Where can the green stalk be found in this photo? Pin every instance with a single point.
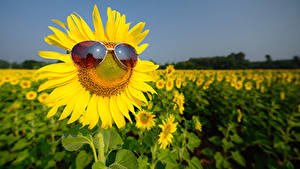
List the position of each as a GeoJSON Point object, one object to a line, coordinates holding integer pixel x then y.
{"type": "Point", "coordinates": [93, 148]}
{"type": "Point", "coordinates": [101, 156]}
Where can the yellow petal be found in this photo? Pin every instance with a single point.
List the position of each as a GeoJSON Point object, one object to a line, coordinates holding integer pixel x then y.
{"type": "Point", "coordinates": [86, 29]}
{"type": "Point", "coordinates": [53, 40]}
{"type": "Point", "coordinates": [137, 103]}
{"type": "Point", "coordinates": [52, 111]}
{"type": "Point", "coordinates": [104, 112]}
{"type": "Point", "coordinates": [55, 55]}
{"type": "Point", "coordinates": [98, 25]}
{"type": "Point", "coordinates": [68, 109]}
{"type": "Point", "coordinates": [127, 102]}
{"type": "Point", "coordinates": [92, 112]}
{"type": "Point", "coordinates": [123, 107]}
{"type": "Point", "coordinates": [80, 27]}
{"type": "Point", "coordinates": [115, 112]}
{"type": "Point", "coordinates": [137, 94]}
{"type": "Point", "coordinates": [141, 48]}
{"type": "Point", "coordinates": [56, 82]}
{"type": "Point", "coordinates": [65, 39]}
{"type": "Point", "coordinates": [60, 23]}
{"type": "Point", "coordinates": [141, 86]}
{"type": "Point", "coordinates": [58, 68]}
{"type": "Point", "coordinates": [81, 103]}
{"type": "Point", "coordinates": [74, 32]}
{"type": "Point", "coordinates": [110, 24]}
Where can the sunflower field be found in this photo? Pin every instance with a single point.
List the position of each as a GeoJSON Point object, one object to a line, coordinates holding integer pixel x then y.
{"type": "Point", "coordinates": [197, 119]}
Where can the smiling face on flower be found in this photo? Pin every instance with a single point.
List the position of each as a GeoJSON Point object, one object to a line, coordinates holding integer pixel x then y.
{"type": "Point", "coordinates": [102, 77]}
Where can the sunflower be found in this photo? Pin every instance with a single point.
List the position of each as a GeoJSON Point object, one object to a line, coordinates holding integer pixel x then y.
{"type": "Point", "coordinates": [179, 101]}
{"type": "Point", "coordinates": [145, 120]}
{"type": "Point", "coordinates": [105, 91]}
{"type": "Point", "coordinates": [170, 70]}
{"type": "Point", "coordinates": [200, 81]}
{"type": "Point", "coordinates": [239, 85]}
{"type": "Point", "coordinates": [25, 84]}
{"type": "Point", "coordinates": [160, 84]}
{"type": "Point", "coordinates": [248, 85]}
{"type": "Point", "coordinates": [168, 128]}
{"type": "Point", "coordinates": [178, 83]}
{"type": "Point", "coordinates": [42, 97]}
{"type": "Point", "coordinates": [169, 84]}
{"type": "Point", "coordinates": [14, 81]}
{"type": "Point", "coordinates": [31, 95]}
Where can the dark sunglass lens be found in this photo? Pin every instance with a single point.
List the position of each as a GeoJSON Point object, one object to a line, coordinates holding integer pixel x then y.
{"type": "Point", "coordinates": [126, 54]}
{"type": "Point", "coordinates": [88, 54]}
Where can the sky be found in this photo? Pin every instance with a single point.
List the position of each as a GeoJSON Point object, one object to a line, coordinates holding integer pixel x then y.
{"type": "Point", "coordinates": [179, 29]}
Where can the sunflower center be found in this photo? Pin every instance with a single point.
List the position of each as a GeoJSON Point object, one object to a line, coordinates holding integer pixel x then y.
{"type": "Point", "coordinates": [144, 118]}
{"type": "Point", "coordinates": [106, 79]}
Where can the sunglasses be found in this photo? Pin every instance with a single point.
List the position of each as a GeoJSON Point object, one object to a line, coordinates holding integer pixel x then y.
{"type": "Point", "coordinates": [89, 54]}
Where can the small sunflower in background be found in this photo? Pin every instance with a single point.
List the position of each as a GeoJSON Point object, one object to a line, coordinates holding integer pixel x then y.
{"type": "Point", "coordinates": [170, 70]}
{"type": "Point", "coordinates": [160, 84]}
{"type": "Point", "coordinates": [169, 84]}
{"type": "Point", "coordinates": [168, 128]}
{"type": "Point", "coordinates": [14, 81]}
{"type": "Point", "coordinates": [102, 78]}
{"type": "Point", "coordinates": [43, 97]}
{"type": "Point", "coordinates": [31, 95]}
{"type": "Point", "coordinates": [25, 84]}
{"type": "Point", "coordinates": [178, 83]}
{"type": "Point", "coordinates": [248, 85]}
{"type": "Point", "coordinates": [145, 120]}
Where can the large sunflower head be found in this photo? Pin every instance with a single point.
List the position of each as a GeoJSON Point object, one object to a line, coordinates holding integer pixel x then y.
{"type": "Point", "coordinates": [94, 81]}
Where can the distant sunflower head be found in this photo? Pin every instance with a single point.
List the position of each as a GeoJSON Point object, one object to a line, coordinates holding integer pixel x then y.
{"type": "Point", "coordinates": [169, 84]}
{"type": "Point", "coordinates": [170, 70]}
{"type": "Point", "coordinates": [145, 120]}
{"type": "Point", "coordinates": [160, 84]}
{"type": "Point", "coordinates": [42, 97]}
{"type": "Point", "coordinates": [31, 95]}
{"type": "Point", "coordinates": [168, 128]}
{"type": "Point", "coordinates": [248, 85]}
{"type": "Point", "coordinates": [102, 77]}
{"type": "Point", "coordinates": [25, 84]}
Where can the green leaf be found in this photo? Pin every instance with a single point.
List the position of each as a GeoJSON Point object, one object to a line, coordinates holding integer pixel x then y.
{"type": "Point", "coordinates": [21, 156]}
{"type": "Point", "coordinates": [193, 141]}
{"type": "Point", "coordinates": [194, 163]}
{"type": "Point", "coordinates": [219, 160]}
{"type": "Point", "coordinates": [51, 163]}
{"type": "Point", "coordinates": [166, 156]}
{"type": "Point", "coordinates": [71, 143]}
{"type": "Point", "coordinates": [125, 159]}
{"type": "Point", "coordinates": [227, 144]}
{"type": "Point", "coordinates": [238, 158]}
{"type": "Point", "coordinates": [142, 162]}
{"type": "Point", "coordinates": [59, 156]}
{"type": "Point", "coordinates": [216, 140]}
{"type": "Point", "coordinates": [236, 138]}
{"type": "Point", "coordinates": [289, 165]}
{"type": "Point", "coordinates": [111, 139]}
{"type": "Point", "coordinates": [98, 165]}
{"type": "Point", "coordinates": [208, 152]}
{"type": "Point", "coordinates": [20, 145]}
{"type": "Point", "coordinates": [82, 160]}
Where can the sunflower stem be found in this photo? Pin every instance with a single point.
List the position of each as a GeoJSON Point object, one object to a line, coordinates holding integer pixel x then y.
{"type": "Point", "coordinates": [101, 156]}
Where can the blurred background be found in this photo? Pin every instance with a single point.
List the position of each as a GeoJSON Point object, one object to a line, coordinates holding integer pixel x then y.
{"type": "Point", "coordinates": [245, 31]}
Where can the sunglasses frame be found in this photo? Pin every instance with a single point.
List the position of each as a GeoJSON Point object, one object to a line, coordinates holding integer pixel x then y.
{"type": "Point", "coordinates": [110, 47]}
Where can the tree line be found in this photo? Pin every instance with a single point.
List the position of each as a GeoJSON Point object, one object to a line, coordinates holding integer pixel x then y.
{"type": "Point", "coordinates": [231, 61]}
{"type": "Point", "coordinates": [235, 61]}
